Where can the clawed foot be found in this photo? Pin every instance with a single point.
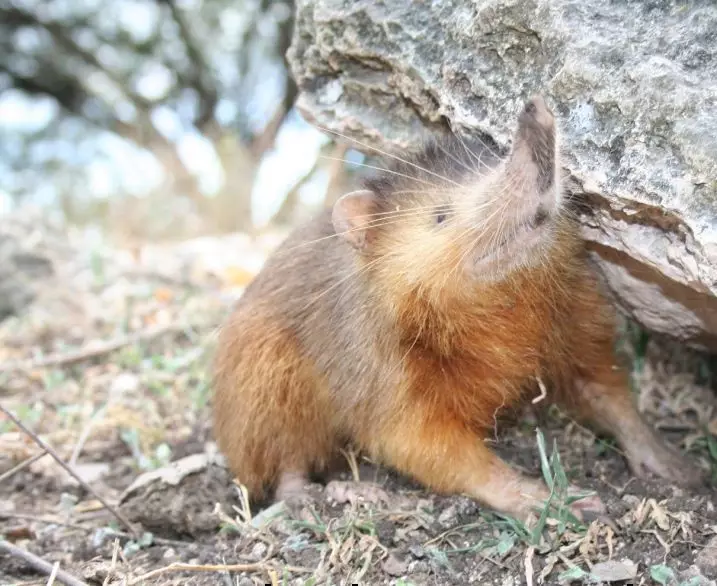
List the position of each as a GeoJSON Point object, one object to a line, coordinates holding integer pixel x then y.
{"type": "Point", "coordinates": [293, 489]}
{"type": "Point", "coordinates": [585, 509]}
{"type": "Point", "coordinates": [588, 508]}
{"type": "Point", "coordinates": [343, 491]}
{"type": "Point", "coordinates": [532, 495]}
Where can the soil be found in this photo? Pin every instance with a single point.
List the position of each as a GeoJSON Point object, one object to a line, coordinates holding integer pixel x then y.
{"type": "Point", "coordinates": [145, 404]}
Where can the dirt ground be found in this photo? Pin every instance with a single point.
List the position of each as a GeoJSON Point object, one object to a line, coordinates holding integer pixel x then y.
{"type": "Point", "coordinates": [109, 366]}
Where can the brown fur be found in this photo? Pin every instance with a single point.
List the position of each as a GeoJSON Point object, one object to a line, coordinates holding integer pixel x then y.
{"type": "Point", "coordinates": [385, 342]}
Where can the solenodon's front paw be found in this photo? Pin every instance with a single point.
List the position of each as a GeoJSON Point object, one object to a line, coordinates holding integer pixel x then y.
{"type": "Point", "coordinates": [588, 508]}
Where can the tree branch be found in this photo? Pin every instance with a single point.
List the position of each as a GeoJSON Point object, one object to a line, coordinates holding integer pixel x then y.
{"type": "Point", "coordinates": [207, 91]}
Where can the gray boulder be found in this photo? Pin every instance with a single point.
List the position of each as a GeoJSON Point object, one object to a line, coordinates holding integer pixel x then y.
{"type": "Point", "coordinates": [634, 85]}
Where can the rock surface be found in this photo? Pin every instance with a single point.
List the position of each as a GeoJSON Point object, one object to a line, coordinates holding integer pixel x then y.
{"type": "Point", "coordinates": [634, 85]}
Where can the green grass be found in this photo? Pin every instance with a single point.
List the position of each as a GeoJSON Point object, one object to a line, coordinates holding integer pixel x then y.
{"type": "Point", "coordinates": [557, 507]}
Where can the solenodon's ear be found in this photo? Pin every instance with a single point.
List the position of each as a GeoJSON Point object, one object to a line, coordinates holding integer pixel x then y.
{"type": "Point", "coordinates": [352, 216]}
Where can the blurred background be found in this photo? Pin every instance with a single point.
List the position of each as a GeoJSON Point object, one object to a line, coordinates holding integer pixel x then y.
{"type": "Point", "coordinates": [151, 157]}
{"type": "Point", "coordinates": [157, 119]}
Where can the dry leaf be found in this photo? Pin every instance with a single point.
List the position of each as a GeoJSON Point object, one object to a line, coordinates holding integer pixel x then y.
{"type": "Point", "coordinates": [614, 571]}
{"type": "Point", "coordinates": [163, 294]}
{"type": "Point", "coordinates": [659, 515]}
{"type": "Point", "coordinates": [640, 513]}
{"type": "Point", "coordinates": [237, 276]}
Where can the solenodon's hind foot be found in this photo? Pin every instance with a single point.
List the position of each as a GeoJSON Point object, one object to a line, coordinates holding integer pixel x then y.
{"type": "Point", "coordinates": [612, 410]}
{"type": "Point", "coordinates": [524, 497]}
{"type": "Point", "coordinates": [293, 489]}
{"type": "Point", "coordinates": [647, 454]}
{"type": "Point", "coordinates": [588, 508]}
{"type": "Point", "coordinates": [347, 491]}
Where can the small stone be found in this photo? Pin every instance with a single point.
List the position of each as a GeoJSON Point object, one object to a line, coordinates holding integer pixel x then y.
{"type": "Point", "coordinates": [258, 551]}
{"type": "Point", "coordinates": [92, 472]}
{"type": "Point", "coordinates": [394, 566]}
{"type": "Point", "coordinates": [124, 383]}
{"type": "Point", "coordinates": [169, 553]}
{"type": "Point", "coordinates": [447, 517]}
{"type": "Point", "coordinates": [631, 500]}
{"type": "Point", "coordinates": [466, 506]}
{"type": "Point", "coordinates": [706, 560]}
{"type": "Point", "coordinates": [417, 551]}
{"type": "Point", "coordinates": [418, 567]}
{"type": "Point", "coordinates": [614, 571]}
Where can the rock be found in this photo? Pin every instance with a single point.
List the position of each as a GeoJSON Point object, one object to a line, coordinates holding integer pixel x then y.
{"type": "Point", "coordinates": [258, 551]}
{"type": "Point", "coordinates": [179, 499]}
{"type": "Point", "coordinates": [633, 85]}
{"type": "Point", "coordinates": [447, 518]}
{"type": "Point", "coordinates": [614, 571]}
{"type": "Point", "coordinates": [706, 560]}
{"type": "Point", "coordinates": [394, 566]}
{"type": "Point", "coordinates": [91, 472]}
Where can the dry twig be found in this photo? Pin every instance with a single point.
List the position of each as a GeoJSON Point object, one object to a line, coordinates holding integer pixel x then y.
{"type": "Point", "coordinates": [113, 566]}
{"type": "Point", "coordinates": [181, 567]}
{"type": "Point", "coordinates": [53, 575]}
{"type": "Point", "coordinates": [94, 350]}
{"type": "Point", "coordinates": [47, 448]}
{"type": "Point", "coordinates": [22, 465]}
{"type": "Point", "coordinates": [528, 562]}
{"type": "Point", "coordinates": [41, 565]}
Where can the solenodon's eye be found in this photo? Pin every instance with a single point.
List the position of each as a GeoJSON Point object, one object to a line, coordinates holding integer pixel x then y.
{"type": "Point", "coordinates": [441, 214]}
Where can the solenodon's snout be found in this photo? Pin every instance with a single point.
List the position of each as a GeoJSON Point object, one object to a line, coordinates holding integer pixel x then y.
{"type": "Point", "coordinates": [536, 132]}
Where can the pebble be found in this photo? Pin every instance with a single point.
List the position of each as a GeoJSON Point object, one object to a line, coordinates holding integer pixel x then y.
{"type": "Point", "coordinates": [394, 566]}
{"type": "Point", "coordinates": [706, 560]}
{"type": "Point", "coordinates": [631, 500]}
{"type": "Point", "coordinates": [169, 553]}
{"type": "Point", "coordinates": [447, 517]}
{"type": "Point", "coordinates": [417, 551]}
{"type": "Point", "coordinates": [258, 551]}
{"type": "Point", "coordinates": [418, 568]}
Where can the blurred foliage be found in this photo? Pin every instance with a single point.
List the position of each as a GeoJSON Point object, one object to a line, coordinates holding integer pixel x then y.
{"type": "Point", "coordinates": [99, 96]}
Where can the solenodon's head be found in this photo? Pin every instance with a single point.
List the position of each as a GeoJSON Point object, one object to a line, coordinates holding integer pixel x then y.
{"type": "Point", "coordinates": [459, 214]}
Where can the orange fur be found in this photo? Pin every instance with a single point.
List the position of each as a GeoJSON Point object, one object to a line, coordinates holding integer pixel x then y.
{"type": "Point", "coordinates": [391, 338]}
{"type": "Point", "coordinates": [271, 411]}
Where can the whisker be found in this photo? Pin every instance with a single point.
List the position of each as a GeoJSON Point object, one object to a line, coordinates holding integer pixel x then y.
{"type": "Point", "coordinates": [385, 218]}
{"type": "Point", "coordinates": [472, 154]}
{"type": "Point", "coordinates": [455, 159]}
{"type": "Point", "coordinates": [387, 154]}
{"type": "Point", "coordinates": [382, 169]}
